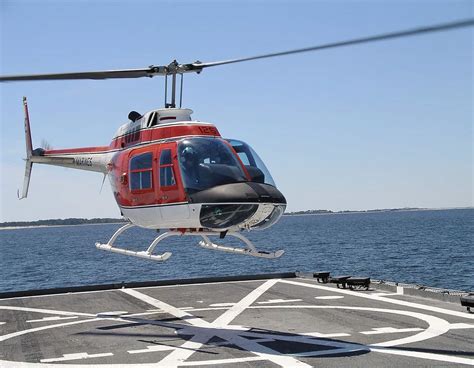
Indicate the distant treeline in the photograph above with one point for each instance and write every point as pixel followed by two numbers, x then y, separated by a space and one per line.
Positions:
pixel 81 221
pixel 319 212
pixel 309 212
pixel 68 221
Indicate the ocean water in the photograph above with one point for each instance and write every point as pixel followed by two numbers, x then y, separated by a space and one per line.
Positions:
pixel 433 248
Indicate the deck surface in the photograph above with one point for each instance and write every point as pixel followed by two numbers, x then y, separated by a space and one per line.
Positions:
pixel 294 322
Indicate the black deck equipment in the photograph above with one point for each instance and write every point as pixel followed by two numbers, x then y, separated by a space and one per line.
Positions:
pixel 468 301
pixel 322 276
pixel 358 283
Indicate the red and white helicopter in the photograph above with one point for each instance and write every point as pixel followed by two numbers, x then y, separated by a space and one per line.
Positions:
pixel 168 171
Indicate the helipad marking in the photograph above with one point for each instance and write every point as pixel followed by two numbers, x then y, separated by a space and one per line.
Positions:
pixel 382 299
pixel 54 318
pixel 75 356
pixel 329 297
pixel 429 356
pixel 436 325
pixel 208 330
pixel 152 348
pixel 222 305
pixel 111 314
pixel 388 330
pixel 273 301
pixel 24 332
pixel 298 338
pixel 460 326
pixel 46 311
pixel 317 334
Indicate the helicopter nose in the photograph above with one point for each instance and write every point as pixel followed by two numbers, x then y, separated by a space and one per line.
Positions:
pixel 248 192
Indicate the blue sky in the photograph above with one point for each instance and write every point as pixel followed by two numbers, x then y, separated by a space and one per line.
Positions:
pixel 381 125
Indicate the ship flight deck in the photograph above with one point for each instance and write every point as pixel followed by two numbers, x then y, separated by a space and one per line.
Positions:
pixel 273 321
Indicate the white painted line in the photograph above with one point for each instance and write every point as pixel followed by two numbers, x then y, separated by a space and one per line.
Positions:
pixel 143 314
pixel 167 308
pixel 150 349
pixel 76 356
pixel 317 334
pixel 222 305
pixel 24 332
pixel 186 308
pixel 384 294
pixel 329 297
pixel 273 301
pixel 46 311
pixel 388 330
pixel 382 299
pixel 429 356
pixel 238 308
pixel 2 323
pixel 221 361
pixel 46 319
pixel 460 326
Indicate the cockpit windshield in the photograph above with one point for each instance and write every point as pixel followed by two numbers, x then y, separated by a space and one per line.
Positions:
pixel 206 163
pixel 253 164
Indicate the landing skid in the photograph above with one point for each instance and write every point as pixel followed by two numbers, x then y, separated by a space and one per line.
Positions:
pixel 206 243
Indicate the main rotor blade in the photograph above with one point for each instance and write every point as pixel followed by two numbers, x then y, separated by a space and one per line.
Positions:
pixel 381 37
pixel 196 67
pixel 106 74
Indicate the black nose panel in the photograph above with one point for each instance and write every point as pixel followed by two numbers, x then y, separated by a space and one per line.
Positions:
pixel 239 193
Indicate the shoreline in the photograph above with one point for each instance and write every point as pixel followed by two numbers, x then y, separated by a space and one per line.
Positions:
pixel 42 226
pixel 377 211
pixel 286 215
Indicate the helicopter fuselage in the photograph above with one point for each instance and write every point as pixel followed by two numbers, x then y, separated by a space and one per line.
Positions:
pixel 169 172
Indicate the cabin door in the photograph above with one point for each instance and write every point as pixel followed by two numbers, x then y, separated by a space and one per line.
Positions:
pixel 171 194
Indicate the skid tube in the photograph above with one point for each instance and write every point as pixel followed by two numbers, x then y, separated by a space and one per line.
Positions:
pixel 206 243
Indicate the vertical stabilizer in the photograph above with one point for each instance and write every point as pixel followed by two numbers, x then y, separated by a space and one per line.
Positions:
pixel 29 153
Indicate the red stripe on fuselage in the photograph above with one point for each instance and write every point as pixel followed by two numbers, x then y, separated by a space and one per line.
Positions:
pixel 101 149
pixel 159 133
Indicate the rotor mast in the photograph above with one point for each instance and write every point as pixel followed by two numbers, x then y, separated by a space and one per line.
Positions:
pixel 172 69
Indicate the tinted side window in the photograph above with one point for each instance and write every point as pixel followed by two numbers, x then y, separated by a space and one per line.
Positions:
pixel 140 172
pixel 166 169
pixel 165 158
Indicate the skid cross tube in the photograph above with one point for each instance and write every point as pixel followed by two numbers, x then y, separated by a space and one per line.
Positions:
pixel 206 243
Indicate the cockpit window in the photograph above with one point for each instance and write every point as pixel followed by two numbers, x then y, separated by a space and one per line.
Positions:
pixel 206 163
pixel 254 165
